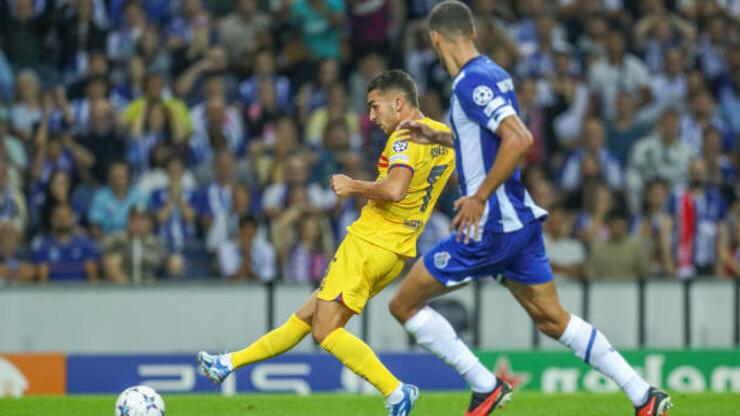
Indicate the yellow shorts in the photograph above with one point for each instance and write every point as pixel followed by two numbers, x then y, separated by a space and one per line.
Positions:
pixel 358 272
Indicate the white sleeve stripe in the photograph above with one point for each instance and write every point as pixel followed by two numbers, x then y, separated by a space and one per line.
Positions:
pixel 396 158
pixel 494 105
pixel 496 120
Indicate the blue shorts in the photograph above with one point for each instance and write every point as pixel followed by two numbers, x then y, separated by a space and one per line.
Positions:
pixel 519 256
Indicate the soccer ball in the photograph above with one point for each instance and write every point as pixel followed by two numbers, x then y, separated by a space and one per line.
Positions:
pixel 139 401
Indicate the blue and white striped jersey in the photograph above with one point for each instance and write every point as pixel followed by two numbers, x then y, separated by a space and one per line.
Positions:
pixel 483 96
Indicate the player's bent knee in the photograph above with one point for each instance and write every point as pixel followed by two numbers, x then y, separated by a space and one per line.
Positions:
pixel 305 315
pixel 319 332
pixel 551 325
pixel 401 310
pixel 548 328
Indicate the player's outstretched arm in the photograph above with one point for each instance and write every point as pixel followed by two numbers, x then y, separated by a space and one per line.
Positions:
pixel 515 141
pixel 393 188
pixel 423 134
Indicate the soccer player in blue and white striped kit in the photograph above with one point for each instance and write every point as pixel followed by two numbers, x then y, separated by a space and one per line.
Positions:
pixel 497 227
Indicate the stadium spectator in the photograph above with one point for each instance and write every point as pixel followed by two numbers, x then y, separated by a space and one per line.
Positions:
pixel 591 43
pixel 701 116
pixel 150 48
pixel 698 209
pixel 419 56
pixel 623 132
pixel 218 126
pixel 368 67
pixel 320 23
pixel 156 177
pixel 174 207
pixel 307 257
pixel 65 254
pixel 539 62
pixel 713 46
pixel 240 33
pixel 196 69
pixel 534 117
pixel 287 233
pixel 575 170
pixel 619 257
pixel 315 92
pixel 96 65
pixel 121 43
pixel 658 31
pixel 23 34
pixel 336 107
pixel 566 113
pixel 372 24
pixel 27 109
pixel 265 73
pixel 176 112
pixel 56 150
pixel 96 89
pixel 14 264
pixel 111 204
pixel 249 257
pixel 132 85
pixel 335 146
pixel 659 155
pixel 78 34
pixel 58 191
pixel 590 223
pixel 159 11
pixel 154 128
pixel 721 171
pixel 669 86
pixel 567 254
pixel 102 141
pixel 12 202
pixel 277 196
pixel 217 200
pixel 183 29
pixel 136 256
pixel 618 70
pixel 655 228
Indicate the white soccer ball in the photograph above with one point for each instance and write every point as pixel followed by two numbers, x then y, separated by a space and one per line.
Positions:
pixel 139 401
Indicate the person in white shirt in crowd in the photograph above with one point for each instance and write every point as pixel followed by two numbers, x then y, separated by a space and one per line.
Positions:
pixel 277 195
pixel 567 254
pixel 616 71
pixel 593 146
pixel 659 155
pixel 249 256
pixel 702 115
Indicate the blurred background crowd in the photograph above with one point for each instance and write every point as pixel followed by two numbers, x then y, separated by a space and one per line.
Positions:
pixel 184 139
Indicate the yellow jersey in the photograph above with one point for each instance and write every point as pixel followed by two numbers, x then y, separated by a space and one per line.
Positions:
pixel 397 225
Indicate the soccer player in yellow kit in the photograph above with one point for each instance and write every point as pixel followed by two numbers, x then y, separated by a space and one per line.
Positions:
pixel 410 179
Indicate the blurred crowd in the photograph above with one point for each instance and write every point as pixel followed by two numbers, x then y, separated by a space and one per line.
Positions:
pixel 176 139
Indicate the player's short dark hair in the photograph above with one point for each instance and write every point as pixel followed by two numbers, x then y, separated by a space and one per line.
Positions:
pixel 398 80
pixel 451 18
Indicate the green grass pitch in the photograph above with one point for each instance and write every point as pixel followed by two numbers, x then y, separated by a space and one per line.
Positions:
pixel 431 404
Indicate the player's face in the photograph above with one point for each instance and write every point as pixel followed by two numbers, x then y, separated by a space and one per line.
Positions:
pixel 383 110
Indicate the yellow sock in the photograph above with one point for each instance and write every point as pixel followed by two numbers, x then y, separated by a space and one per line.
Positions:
pixel 273 343
pixel 358 357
